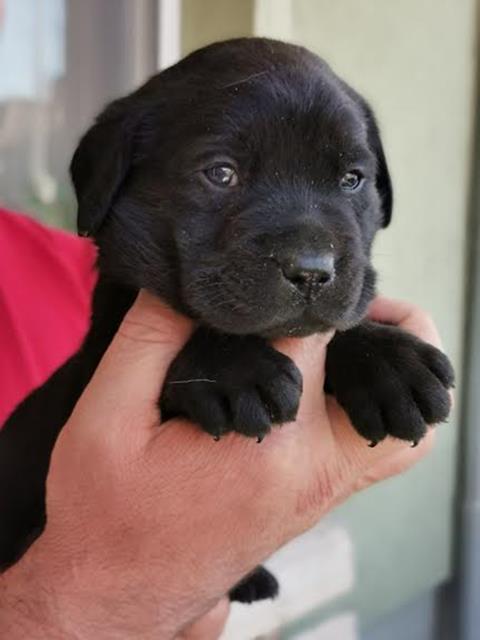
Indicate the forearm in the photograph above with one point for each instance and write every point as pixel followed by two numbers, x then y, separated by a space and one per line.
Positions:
pixel 40 603
pixel 95 591
pixel 27 605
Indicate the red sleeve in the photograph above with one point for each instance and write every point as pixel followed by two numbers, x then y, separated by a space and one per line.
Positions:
pixel 46 280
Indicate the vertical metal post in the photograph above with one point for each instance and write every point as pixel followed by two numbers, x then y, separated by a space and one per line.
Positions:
pixel 469 542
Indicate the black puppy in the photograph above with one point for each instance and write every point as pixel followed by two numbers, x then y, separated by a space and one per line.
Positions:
pixel 244 186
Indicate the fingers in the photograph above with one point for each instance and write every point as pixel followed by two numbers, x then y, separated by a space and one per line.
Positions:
pixel 309 356
pixel 396 456
pixel 406 316
pixel 398 460
pixel 209 626
pixel 391 456
pixel 368 465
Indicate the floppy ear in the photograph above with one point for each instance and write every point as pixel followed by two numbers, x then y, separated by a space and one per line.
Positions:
pixel 100 164
pixel 383 180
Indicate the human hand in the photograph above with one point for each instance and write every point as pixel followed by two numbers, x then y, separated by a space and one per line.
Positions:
pixel 210 625
pixel 148 525
pixel 414 320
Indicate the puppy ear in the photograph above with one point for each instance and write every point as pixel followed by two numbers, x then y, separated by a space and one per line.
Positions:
pixel 383 180
pixel 100 164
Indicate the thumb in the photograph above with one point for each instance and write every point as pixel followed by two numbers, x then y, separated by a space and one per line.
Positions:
pixel 210 626
pixel 148 339
pixel 130 375
pixel 309 355
pixel 407 316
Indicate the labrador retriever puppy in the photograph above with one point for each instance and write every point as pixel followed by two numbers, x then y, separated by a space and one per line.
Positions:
pixel 244 186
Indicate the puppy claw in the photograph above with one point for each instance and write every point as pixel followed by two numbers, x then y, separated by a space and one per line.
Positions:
pixel 260 439
pixel 373 444
pixel 216 438
pixel 414 443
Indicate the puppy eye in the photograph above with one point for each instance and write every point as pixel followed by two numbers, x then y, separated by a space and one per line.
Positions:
pixel 222 175
pixel 351 181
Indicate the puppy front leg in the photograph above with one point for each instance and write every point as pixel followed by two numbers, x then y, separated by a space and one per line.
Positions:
pixel 231 383
pixel 388 381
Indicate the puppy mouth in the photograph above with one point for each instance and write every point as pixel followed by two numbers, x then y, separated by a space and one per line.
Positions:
pixel 242 293
pixel 306 322
pixel 310 322
pixel 291 312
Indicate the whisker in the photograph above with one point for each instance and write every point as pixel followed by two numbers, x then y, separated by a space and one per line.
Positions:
pixel 191 380
pixel 247 79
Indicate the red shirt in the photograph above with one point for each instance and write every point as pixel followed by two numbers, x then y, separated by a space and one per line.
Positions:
pixel 46 281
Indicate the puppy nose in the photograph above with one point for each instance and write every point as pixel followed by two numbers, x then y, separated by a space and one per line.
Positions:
pixel 308 271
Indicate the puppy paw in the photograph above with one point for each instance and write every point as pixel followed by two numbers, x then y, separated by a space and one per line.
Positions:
pixel 258 585
pixel 388 382
pixel 232 383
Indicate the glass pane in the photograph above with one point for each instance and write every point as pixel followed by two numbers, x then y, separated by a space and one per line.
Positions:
pixel 32 56
pixel 60 62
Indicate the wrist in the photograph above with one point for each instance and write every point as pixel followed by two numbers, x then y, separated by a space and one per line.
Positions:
pixel 27 604
pixel 44 597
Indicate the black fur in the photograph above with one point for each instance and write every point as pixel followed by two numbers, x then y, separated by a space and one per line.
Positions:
pixel 258 585
pixel 227 382
pixel 291 129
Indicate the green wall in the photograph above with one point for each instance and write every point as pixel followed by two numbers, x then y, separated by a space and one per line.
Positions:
pixel 415 61
pixel 205 21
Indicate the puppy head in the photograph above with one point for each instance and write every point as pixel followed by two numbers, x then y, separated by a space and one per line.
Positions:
pixel 244 186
